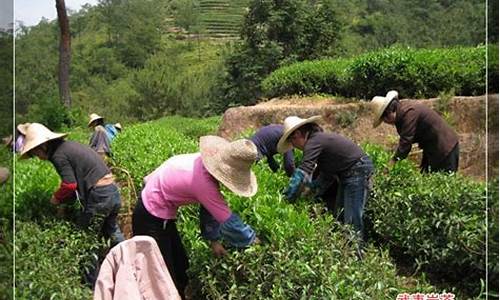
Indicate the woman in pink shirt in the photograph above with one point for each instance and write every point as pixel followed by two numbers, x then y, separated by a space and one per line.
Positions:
pixel 195 178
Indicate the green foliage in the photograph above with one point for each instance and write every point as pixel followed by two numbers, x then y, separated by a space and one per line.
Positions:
pixel 50 257
pixel 6 259
pixel 306 255
pixel 317 261
pixel 277 33
pixel 414 73
pixel 6 83
pixel 36 180
pixel 142 148
pixel 437 219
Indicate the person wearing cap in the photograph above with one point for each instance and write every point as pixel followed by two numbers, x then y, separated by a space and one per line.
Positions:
pixel 84 175
pixel 196 179
pixel 417 123
pixel 334 158
pixel 266 139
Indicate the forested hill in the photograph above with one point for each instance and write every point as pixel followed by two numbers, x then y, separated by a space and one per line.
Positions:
pixel 142 59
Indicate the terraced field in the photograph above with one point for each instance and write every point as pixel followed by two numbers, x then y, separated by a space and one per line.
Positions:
pixel 222 18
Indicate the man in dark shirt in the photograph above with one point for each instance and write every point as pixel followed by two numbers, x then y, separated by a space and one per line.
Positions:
pixel 417 123
pixel 266 139
pixel 83 175
pixel 332 156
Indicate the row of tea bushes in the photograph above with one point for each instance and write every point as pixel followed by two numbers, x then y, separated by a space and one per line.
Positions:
pixel 304 254
pixel 50 257
pixel 413 72
pixel 439 220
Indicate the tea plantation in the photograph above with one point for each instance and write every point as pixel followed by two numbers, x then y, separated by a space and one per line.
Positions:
pixel 435 222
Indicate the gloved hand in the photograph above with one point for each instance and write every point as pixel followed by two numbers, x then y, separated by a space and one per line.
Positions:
pixel 292 191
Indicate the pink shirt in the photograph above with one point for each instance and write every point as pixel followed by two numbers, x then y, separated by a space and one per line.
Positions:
pixel 183 180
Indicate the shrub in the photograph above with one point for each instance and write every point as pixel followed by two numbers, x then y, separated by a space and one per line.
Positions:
pixel 50 258
pixel 304 255
pixel 327 76
pixel 413 72
pixel 437 219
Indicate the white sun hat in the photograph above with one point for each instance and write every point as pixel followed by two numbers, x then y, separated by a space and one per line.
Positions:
pixel 290 125
pixel 118 126
pixel 37 134
pixel 230 163
pixel 94 117
pixel 379 104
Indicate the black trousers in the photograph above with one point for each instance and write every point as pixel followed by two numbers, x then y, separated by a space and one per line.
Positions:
pixel 167 237
pixel 449 164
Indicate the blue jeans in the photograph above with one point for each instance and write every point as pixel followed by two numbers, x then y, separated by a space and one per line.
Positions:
pixel 354 189
pixel 100 212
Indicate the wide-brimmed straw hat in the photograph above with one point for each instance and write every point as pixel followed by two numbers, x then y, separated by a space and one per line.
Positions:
pixel 23 127
pixel 118 126
pixel 94 117
pixel 379 104
pixel 290 125
pixel 230 163
pixel 37 134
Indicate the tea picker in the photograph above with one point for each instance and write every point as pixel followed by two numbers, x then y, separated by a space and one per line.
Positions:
pixel 82 173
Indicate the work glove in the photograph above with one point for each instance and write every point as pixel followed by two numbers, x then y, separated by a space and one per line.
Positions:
pixel 292 191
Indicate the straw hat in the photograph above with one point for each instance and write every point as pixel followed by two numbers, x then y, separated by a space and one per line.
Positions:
pixel 118 126
pixel 379 104
pixel 23 127
pixel 230 163
pixel 37 134
pixel 94 117
pixel 290 125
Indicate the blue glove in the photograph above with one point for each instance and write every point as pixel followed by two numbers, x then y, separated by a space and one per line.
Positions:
pixel 296 180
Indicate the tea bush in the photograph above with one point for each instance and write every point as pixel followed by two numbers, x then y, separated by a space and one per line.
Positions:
pixel 317 261
pixel 50 256
pixel 304 255
pixel 413 72
pixel 437 219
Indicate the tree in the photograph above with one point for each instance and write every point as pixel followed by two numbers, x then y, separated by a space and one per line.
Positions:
pixel 276 33
pixel 64 53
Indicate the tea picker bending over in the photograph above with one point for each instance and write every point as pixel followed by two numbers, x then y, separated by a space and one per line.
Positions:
pixel 266 139
pixel 85 176
pixel 417 123
pixel 195 179
pixel 332 156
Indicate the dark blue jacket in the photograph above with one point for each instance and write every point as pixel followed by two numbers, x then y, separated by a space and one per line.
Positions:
pixel 266 139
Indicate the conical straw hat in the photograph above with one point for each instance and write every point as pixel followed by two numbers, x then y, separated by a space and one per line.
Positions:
pixel 37 134
pixel 379 104
pixel 230 163
pixel 94 117
pixel 290 125
pixel 118 125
